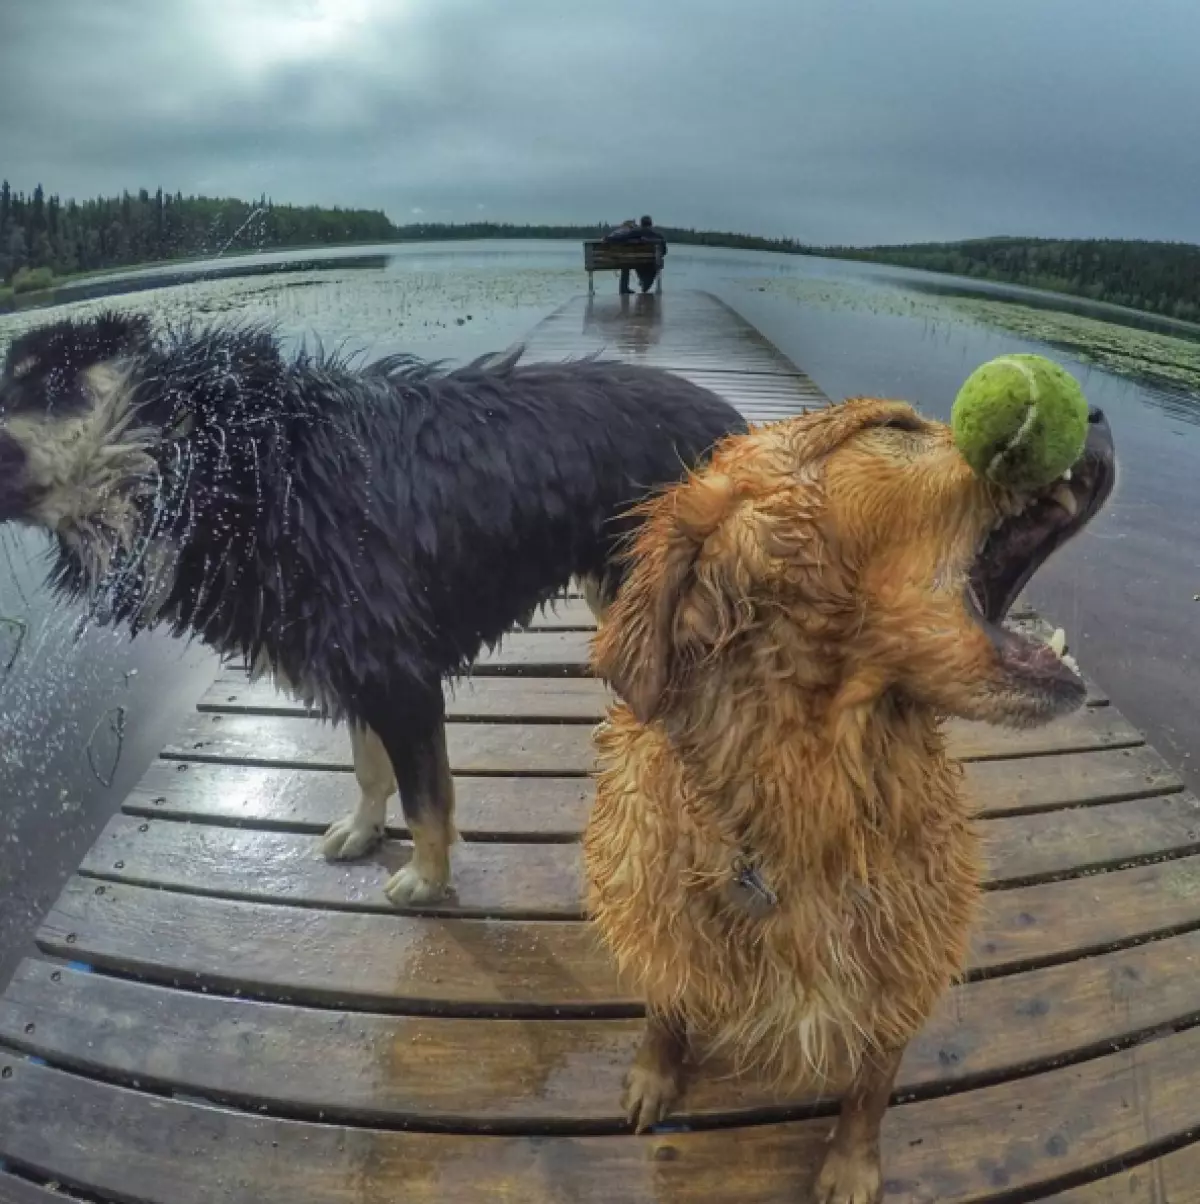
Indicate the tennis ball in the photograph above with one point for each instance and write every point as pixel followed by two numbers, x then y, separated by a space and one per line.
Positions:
pixel 1020 421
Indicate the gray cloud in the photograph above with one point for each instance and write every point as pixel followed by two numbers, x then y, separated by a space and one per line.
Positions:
pixel 829 120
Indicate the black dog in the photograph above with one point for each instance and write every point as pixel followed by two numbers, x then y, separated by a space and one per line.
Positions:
pixel 360 535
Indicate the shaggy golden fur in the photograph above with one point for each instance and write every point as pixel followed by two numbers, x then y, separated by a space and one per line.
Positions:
pixel 781 854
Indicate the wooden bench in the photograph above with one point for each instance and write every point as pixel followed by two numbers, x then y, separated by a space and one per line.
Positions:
pixel 600 256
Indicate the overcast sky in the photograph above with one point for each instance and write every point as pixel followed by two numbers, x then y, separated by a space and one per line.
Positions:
pixel 827 120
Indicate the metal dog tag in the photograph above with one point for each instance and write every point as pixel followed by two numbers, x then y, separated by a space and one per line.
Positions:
pixel 751 891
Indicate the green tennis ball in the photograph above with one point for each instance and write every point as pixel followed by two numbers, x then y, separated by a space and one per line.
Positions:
pixel 1020 421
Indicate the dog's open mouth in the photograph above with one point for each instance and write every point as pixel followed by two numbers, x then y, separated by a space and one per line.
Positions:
pixel 1020 544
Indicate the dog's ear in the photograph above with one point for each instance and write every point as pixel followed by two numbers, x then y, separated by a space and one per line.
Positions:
pixel 672 606
pixel 65 349
pixel 705 548
pixel 824 430
pixel 118 334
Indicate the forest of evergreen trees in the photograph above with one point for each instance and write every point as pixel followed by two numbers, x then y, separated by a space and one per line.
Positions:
pixel 1161 277
pixel 43 237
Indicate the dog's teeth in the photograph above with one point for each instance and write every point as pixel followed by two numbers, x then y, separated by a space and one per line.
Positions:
pixel 1057 644
pixel 1066 476
pixel 1066 499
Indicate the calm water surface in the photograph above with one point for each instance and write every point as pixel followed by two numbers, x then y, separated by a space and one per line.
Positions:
pixel 1126 592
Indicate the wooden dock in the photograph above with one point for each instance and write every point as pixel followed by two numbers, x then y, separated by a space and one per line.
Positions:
pixel 220 1017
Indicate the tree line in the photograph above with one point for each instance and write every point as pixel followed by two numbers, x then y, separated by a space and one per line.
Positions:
pixel 1159 277
pixel 43 237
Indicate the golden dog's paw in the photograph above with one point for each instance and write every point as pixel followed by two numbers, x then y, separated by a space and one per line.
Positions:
pixel 849 1179
pixel 650 1094
pixel 408 887
pixel 349 838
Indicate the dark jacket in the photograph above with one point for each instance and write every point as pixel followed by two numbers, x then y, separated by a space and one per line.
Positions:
pixel 636 234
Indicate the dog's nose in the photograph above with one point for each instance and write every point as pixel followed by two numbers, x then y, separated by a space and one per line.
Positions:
pixel 12 465
pixel 1099 447
pixel 1099 432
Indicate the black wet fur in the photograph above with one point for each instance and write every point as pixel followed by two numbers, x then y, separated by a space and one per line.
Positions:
pixel 369 531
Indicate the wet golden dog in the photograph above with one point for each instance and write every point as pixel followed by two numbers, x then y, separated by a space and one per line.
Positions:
pixel 781 854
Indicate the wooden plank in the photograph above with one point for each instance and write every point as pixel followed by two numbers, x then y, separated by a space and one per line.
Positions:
pixel 1049 921
pixel 545 881
pixel 534 652
pixel 1101 727
pixel 657 355
pixel 497 808
pixel 515 881
pixel 1023 848
pixel 564 614
pixel 307 800
pixel 546 653
pixel 566 749
pixel 21 1191
pixel 1172 1178
pixel 1018 1137
pixel 474 748
pixel 537 699
pixel 490 699
pixel 601 256
pixel 566 653
pixel 160 1151
pixel 551 1073
pixel 387 963
pixel 516 967
pixel 1095 776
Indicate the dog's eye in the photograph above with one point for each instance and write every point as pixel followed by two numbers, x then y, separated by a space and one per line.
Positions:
pixel 903 422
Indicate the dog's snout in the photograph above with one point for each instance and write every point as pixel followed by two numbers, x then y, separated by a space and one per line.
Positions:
pixel 1096 416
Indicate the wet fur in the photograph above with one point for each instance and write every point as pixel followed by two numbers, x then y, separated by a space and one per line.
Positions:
pixel 359 533
pixel 789 637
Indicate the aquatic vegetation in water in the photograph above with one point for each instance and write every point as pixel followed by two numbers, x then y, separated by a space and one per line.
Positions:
pixel 1159 359
pixel 377 311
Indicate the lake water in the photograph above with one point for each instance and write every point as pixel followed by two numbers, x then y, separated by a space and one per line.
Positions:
pixel 1126 592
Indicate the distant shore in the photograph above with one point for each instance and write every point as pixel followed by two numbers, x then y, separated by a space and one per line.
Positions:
pixel 52 251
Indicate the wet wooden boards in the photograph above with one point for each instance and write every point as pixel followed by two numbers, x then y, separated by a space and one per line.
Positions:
pixel 218 1015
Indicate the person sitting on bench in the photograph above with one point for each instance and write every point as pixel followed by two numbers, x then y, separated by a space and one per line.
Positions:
pixel 647 232
pixel 643 232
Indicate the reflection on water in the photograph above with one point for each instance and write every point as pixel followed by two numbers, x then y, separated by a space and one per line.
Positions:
pixel 628 324
pixel 1125 592
pixel 81 715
